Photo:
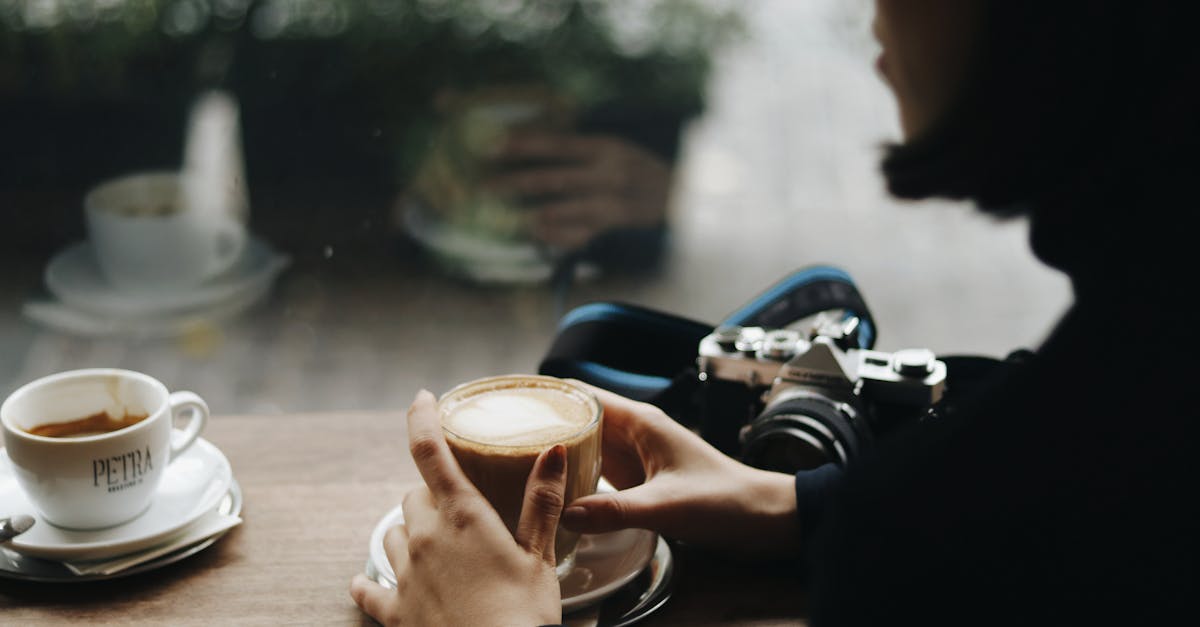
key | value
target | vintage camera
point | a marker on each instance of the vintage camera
(794, 399)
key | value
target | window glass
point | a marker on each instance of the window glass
(306, 205)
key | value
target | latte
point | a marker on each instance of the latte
(518, 416)
(498, 426)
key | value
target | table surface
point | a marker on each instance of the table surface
(314, 486)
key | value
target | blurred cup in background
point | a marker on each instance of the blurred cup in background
(147, 237)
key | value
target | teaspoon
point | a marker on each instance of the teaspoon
(14, 526)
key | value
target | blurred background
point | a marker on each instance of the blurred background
(423, 187)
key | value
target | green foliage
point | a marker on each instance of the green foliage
(594, 50)
(349, 84)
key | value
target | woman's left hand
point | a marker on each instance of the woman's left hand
(455, 561)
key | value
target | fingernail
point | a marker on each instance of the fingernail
(574, 514)
(556, 461)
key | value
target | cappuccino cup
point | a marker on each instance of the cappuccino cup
(149, 235)
(497, 427)
(89, 447)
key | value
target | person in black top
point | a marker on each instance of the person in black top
(1060, 491)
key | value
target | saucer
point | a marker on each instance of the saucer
(604, 562)
(62, 317)
(24, 568)
(191, 486)
(74, 277)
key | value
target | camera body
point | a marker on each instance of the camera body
(787, 400)
(786, 382)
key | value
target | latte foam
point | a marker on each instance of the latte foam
(516, 417)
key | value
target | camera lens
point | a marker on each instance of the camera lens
(800, 434)
(783, 449)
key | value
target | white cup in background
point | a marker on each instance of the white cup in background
(149, 238)
(104, 479)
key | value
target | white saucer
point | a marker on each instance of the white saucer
(604, 563)
(74, 276)
(191, 486)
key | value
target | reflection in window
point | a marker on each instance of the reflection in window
(523, 132)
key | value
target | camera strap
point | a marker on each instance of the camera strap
(804, 293)
(636, 352)
(650, 356)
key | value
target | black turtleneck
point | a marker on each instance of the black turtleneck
(1064, 493)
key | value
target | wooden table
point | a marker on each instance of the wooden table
(314, 487)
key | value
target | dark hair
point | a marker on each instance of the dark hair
(1067, 97)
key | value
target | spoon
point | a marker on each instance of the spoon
(14, 526)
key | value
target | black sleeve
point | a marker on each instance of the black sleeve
(813, 491)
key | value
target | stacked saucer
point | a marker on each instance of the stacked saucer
(196, 503)
(619, 577)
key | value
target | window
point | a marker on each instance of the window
(426, 186)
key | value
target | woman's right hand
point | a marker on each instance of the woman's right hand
(671, 481)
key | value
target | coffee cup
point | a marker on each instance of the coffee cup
(151, 232)
(497, 426)
(89, 447)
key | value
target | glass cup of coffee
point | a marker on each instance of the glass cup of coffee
(89, 447)
(497, 427)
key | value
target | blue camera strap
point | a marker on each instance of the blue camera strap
(630, 350)
(804, 293)
(650, 355)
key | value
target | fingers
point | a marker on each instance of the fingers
(640, 440)
(395, 546)
(627, 416)
(625, 413)
(612, 401)
(431, 453)
(544, 495)
(372, 598)
(420, 512)
(599, 513)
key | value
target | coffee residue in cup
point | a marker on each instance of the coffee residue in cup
(96, 424)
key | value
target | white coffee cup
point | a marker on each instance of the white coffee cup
(96, 481)
(149, 235)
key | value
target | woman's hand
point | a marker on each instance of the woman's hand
(455, 561)
(673, 482)
(582, 185)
